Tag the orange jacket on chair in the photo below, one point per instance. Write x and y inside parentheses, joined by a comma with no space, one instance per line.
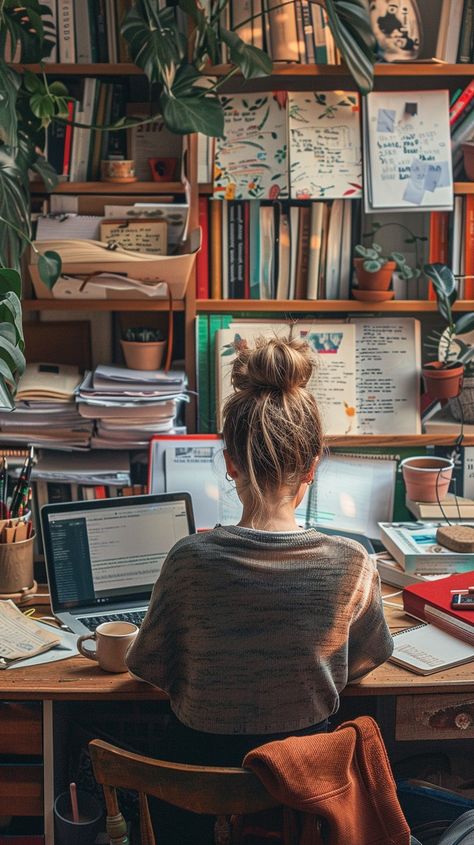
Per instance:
(342,778)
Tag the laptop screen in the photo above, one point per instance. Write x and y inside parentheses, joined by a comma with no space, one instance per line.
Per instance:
(102,552)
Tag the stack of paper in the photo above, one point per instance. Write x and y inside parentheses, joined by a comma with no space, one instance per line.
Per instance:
(130,406)
(407,151)
(96,468)
(46,412)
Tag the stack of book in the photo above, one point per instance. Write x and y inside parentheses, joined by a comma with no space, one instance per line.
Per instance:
(416,549)
(130,406)
(76,153)
(46,412)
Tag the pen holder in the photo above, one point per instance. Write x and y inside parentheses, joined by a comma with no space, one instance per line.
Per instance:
(84,831)
(16,566)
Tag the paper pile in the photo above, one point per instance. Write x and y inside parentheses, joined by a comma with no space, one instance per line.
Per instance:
(130,406)
(46,412)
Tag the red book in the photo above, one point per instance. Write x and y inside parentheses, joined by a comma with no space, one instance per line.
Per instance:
(431,601)
(461,103)
(439,243)
(469,248)
(202,263)
(100,491)
(68,139)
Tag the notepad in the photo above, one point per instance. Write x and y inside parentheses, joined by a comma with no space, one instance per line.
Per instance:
(425,649)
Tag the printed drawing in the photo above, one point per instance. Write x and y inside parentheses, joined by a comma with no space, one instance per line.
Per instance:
(397,27)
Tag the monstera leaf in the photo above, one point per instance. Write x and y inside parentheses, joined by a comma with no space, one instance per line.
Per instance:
(349,22)
(29,26)
(155,43)
(444,283)
(12,359)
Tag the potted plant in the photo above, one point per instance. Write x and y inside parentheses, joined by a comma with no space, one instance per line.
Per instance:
(143,348)
(374,271)
(427,478)
(453,369)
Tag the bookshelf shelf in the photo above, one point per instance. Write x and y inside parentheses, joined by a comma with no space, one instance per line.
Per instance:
(97,69)
(413,69)
(112,188)
(100,305)
(396,440)
(318,305)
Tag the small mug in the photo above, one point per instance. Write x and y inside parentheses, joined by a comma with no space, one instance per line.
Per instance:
(113,640)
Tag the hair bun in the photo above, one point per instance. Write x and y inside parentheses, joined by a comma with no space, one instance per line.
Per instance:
(276,364)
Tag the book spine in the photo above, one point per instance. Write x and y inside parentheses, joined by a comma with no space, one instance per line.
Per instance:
(66,45)
(461,103)
(298,4)
(216,248)
(56,145)
(246,247)
(93,36)
(418,606)
(439,243)
(230,255)
(202,263)
(203,367)
(239,251)
(71,110)
(82,32)
(465,41)
(52,19)
(103,53)
(302,258)
(320,49)
(254,248)
(283,32)
(308,32)
(469,248)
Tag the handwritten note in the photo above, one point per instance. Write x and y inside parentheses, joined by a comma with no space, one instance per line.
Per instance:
(325,145)
(251,157)
(408,161)
(147,236)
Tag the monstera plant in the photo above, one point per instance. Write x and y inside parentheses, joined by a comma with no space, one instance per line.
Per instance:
(175,52)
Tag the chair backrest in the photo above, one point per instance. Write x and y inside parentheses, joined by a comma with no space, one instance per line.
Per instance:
(200,789)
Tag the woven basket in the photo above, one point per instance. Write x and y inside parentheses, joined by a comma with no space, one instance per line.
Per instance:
(466,400)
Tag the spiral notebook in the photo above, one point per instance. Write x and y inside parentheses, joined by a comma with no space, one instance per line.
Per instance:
(426,649)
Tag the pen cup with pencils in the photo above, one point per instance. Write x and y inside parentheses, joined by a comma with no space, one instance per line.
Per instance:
(16,557)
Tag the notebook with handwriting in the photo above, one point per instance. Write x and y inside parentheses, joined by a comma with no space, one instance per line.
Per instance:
(425,649)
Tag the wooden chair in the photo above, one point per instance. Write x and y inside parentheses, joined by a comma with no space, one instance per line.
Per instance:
(215,791)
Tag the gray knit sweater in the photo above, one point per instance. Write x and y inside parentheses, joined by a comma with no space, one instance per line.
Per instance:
(258,632)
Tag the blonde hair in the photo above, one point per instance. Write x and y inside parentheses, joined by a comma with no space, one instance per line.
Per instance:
(272,428)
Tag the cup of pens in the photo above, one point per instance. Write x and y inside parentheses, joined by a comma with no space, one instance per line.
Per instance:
(16,534)
(77,817)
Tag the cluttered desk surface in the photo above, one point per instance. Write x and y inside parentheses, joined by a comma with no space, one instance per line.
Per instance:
(77,678)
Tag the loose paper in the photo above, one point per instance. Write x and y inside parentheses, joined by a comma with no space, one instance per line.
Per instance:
(325,145)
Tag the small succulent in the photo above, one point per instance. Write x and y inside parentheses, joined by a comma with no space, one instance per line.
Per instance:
(143,335)
(375,260)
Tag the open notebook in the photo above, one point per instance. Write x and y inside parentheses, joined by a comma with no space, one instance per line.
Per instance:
(425,649)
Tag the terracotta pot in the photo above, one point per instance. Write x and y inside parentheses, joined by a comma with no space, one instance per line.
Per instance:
(16,566)
(163,169)
(143,356)
(442,382)
(120,170)
(468,151)
(380,280)
(427,479)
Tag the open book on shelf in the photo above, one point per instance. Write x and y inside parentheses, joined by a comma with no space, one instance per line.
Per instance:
(365,378)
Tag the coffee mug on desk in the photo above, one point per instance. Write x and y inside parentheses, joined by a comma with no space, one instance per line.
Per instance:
(113,640)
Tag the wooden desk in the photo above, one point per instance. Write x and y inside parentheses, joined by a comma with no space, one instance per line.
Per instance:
(408,708)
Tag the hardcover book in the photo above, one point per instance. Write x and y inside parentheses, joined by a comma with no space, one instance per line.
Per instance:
(431,602)
(415,547)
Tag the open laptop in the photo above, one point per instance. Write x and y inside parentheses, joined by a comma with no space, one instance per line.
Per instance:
(104,556)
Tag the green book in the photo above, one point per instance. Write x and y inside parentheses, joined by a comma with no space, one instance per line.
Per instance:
(202,372)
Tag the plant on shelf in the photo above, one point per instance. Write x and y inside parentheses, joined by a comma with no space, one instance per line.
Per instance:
(22,137)
(143,348)
(452,373)
(375,270)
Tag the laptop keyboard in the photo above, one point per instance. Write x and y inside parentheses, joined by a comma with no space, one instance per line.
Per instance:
(135,616)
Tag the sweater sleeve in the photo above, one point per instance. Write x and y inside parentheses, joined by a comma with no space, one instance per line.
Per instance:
(370,641)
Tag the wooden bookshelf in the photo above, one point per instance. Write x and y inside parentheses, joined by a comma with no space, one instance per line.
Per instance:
(100,305)
(318,305)
(399,69)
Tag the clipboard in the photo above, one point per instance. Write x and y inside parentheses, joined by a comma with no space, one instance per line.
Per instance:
(156,455)
(139,235)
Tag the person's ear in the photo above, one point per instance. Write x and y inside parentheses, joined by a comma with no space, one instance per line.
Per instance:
(230,466)
(309,477)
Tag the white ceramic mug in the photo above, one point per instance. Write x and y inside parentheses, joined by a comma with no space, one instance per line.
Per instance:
(113,640)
